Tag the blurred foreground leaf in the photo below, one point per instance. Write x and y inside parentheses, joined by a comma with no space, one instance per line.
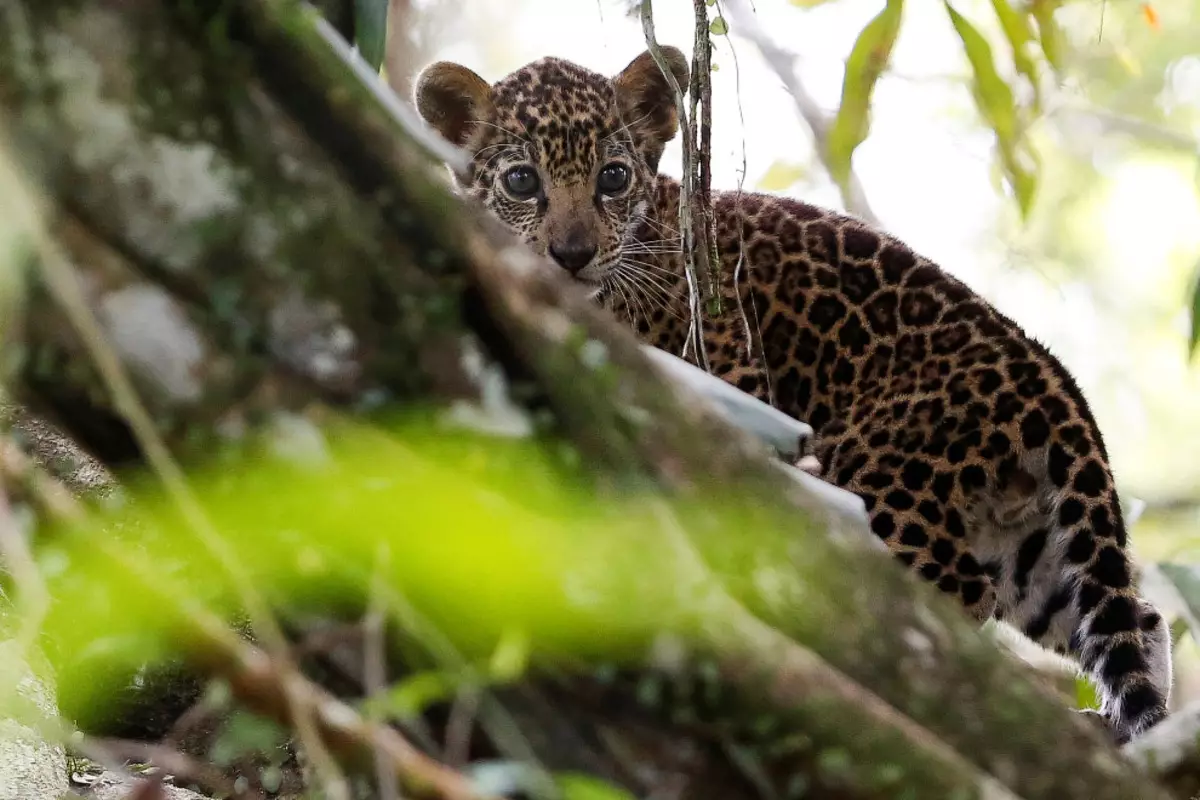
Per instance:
(1049,34)
(1186,580)
(502,550)
(1019,32)
(780,175)
(1194,334)
(370,30)
(868,58)
(995,101)
(583,787)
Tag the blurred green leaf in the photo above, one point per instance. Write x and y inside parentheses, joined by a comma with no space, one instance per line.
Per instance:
(868,58)
(419,690)
(995,101)
(370,30)
(780,175)
(1019,33)
(718,27)
(1085,694)
(1179,629)
(247,734)
(499,547)
(1186,580)
(511,657)
(1049,34)
(575,786)
(1194,336)
(412,695)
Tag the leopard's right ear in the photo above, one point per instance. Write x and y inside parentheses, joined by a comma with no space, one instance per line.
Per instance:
(646,100)
(451,97)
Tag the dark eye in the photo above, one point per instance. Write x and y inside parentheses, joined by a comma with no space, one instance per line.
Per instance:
(612,179)
(522,181)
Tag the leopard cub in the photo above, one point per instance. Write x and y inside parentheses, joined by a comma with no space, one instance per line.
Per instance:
(976,455)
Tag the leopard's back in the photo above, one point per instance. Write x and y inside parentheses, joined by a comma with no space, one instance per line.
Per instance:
(974,450)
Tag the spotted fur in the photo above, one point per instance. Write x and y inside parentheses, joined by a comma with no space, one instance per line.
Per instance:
(972,447)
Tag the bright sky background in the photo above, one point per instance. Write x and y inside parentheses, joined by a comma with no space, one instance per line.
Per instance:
(927,171)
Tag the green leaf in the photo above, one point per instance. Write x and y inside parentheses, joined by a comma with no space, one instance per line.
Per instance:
(370,30)
(1049,34)
(245,734)
(1180,628)
(780,175)
(411,696)
(1194,336)
(1020,36)
(575,786)
(1186,580)
(511,657)
(995,101)
(718,27)
(1085,694)
(868,58)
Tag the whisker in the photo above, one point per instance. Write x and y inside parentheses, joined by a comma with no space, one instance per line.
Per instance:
(654,293)
(658,247)
(652,280)
(630,311)
(650,266)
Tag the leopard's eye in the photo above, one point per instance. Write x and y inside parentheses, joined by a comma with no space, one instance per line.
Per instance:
(522,182)
(613,178)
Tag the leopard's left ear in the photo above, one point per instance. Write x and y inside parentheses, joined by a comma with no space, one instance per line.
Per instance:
(647,100)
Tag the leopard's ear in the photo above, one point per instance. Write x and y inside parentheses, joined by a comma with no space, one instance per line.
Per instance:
(647,100)
(451,97)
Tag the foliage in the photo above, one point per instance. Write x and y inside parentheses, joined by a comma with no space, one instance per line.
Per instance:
(1194,335)
(866,63)
(370,30)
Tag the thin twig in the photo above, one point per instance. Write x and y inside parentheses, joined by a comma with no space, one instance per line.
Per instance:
(61,280)
(463,713)
(753,330)
(181,766)
(1146,131)
(375,668)
(686,188)
(783,64)
(705,235)
(277,689)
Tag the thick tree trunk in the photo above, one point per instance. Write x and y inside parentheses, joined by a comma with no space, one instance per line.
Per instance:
(251,231)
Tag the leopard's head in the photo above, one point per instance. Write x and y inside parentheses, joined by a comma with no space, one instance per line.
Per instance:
(565,157)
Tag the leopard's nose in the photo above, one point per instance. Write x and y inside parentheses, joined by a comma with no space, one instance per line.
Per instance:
(573,256)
